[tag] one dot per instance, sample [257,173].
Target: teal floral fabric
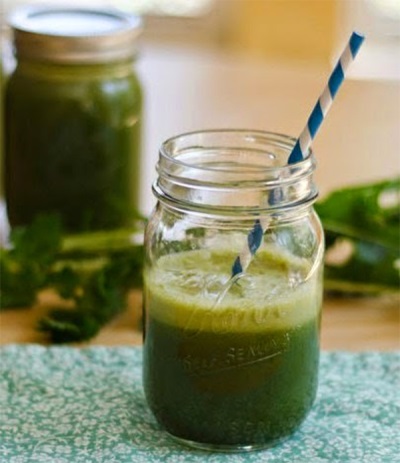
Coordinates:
[68,405]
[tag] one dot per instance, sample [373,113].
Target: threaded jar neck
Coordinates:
[233,171]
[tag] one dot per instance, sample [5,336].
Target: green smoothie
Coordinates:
[73,144]
[232,371]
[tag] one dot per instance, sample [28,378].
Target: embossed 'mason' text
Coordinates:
[231,358]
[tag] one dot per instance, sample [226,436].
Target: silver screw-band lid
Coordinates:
[74,35]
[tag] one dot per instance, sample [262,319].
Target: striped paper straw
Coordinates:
[324,102]
[303,143]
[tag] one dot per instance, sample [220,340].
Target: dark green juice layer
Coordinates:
[72,145]
[231,363]
[230,389]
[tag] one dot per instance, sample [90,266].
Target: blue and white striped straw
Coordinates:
[303,143]
[324,102]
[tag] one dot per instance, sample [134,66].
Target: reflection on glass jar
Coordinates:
[73,117]
[231,363]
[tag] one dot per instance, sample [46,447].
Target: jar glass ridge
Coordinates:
[232,170]
[232,363]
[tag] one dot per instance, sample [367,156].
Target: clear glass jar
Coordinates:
[73,117]
[231,362]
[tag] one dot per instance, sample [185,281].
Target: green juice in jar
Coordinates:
[73,144]
[241,372]
[73,117]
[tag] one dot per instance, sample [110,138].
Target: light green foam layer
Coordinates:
[184,290]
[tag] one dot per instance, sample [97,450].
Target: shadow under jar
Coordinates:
[73,117]
[231,363]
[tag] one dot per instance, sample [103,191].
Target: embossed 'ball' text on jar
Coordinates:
[73,117]
[231,364]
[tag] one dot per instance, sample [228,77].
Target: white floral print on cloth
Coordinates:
[66,405]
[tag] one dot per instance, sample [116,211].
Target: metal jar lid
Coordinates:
[74,35]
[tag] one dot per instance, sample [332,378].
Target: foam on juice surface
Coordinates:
[184,290]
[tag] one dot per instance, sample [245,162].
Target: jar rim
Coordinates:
[285,141]
[233,169]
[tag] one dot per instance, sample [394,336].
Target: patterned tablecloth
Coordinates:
[67,405]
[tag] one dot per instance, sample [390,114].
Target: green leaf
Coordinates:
[358,212]
[69,325]
[25,266]
[19,284]
[367,218]
[93,270]
[37,242]
[99,294]
[65,282]
[368,263]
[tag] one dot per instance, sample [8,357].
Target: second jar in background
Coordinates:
[73,117]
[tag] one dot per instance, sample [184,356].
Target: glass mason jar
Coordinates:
[72,118]
[231,362]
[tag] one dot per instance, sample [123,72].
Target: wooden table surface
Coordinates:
[355,324]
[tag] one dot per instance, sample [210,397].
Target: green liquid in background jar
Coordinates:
[240,373]
[73,119]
